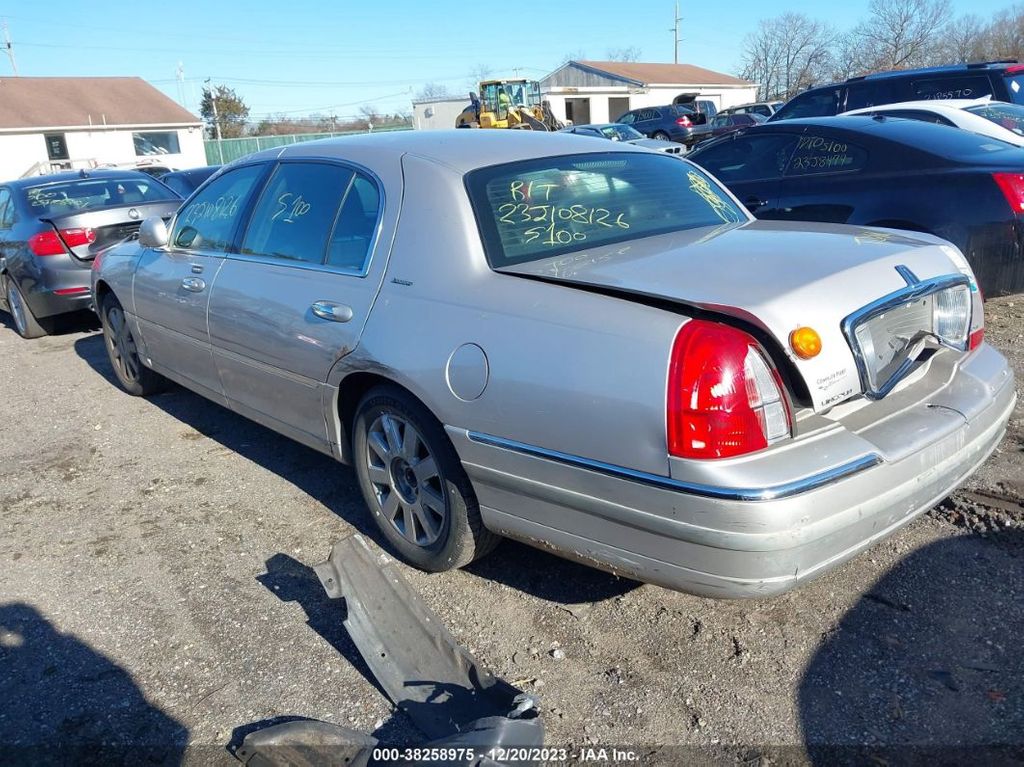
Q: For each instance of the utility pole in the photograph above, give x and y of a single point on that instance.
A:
(9, 48)
(216, 121)
(675, 34)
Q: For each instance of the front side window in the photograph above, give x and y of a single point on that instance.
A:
(295, 215)
(150, 143)
(64, 197)
(209, 221)
(535, 209)
(819, 103)
(816, 154)
(748, 158)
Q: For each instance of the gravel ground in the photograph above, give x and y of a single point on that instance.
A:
(155, 593)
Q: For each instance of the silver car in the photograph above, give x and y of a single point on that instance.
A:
(589, 347)
(625, 134)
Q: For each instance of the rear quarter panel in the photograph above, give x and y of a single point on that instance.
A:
(567, 370)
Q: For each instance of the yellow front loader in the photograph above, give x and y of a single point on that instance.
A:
(508, 104)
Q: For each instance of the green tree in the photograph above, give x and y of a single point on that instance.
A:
(232, 112)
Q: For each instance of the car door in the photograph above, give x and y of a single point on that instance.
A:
(751, 166)
(172, 284)
(825, 178)
(6, 223)
(648, 121)
(294, 298)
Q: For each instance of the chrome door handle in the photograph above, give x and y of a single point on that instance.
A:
(193, 284)
(328, 310)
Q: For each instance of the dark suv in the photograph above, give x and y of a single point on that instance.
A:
(1002, 80)
(672, 122)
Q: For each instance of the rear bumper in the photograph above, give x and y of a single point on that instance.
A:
(47, 303)
(695, 538)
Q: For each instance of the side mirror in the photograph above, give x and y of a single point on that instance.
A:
(153, 233)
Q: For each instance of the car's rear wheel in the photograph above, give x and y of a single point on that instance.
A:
(660, 135)
(25, 322)
(414, 483)
(134, 377)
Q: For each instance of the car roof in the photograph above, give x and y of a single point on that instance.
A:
(462, 150)
(984, 66)
(75, 175)
(939, 140)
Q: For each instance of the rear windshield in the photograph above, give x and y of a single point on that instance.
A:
(536, 209)
(1009, 116)
(1015, 87)
(64, 197)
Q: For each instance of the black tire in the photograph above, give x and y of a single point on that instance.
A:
(25, 322)
(405, 486)
(134, 377)
(660, 135)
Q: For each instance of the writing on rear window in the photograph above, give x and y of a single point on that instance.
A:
(542, 208)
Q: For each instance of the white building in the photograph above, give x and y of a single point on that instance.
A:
(600, 91)
(53, 123)
(439, 113)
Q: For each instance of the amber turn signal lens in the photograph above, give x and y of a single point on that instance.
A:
(806, 343)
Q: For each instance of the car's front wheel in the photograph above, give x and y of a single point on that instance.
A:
(25, 322)
(414, 483)
(134, 377)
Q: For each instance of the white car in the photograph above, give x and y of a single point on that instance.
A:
(995, 119)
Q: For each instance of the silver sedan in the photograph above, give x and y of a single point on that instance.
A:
(586, 346)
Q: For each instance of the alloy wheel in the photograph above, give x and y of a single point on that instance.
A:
(407, 483)
(17, 308)
(123, 352)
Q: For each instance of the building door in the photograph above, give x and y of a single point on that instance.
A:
(577, 111)
(617, 106)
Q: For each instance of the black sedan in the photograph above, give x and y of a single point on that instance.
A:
(51, 229)
(887, 172)
(184, 182)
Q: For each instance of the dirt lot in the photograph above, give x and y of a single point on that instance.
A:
(154, 590)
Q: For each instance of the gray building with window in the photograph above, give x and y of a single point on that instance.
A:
(62, 123)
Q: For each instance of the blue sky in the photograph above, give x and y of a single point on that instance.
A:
(303, 56)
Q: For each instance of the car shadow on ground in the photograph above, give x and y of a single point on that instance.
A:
(77, 322)
(321, 477)
(927, 662)
(65, 703)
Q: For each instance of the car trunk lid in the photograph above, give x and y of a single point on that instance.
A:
(776, 276)
(110, 226)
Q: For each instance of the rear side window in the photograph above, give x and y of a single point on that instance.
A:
(869, 93)
(965, 87)
(209, 220)
(1015, 87)
(627, 119)
(65, 197)
(356, 227)
(536, 209)
(917, 114)
(748, 158)
(817, 154)
(6, 209)
(296, 213)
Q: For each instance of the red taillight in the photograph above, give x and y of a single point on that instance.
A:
(75, 237)
(977, 338)
(724, 396)
(684, 121)
(50, 243)
(1014, 70)
(46, 244)
(1012, 186)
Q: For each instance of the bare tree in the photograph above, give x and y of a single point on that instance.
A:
(787, 54)
(962, 40)
(433, 91)
(901, 33)
(1005, 35)
(631, 53)
(847, 58)
(577, 55)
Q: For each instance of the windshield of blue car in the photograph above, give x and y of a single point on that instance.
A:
(620, 132)
(1009, 116)
(65, 197)
(535, 209)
